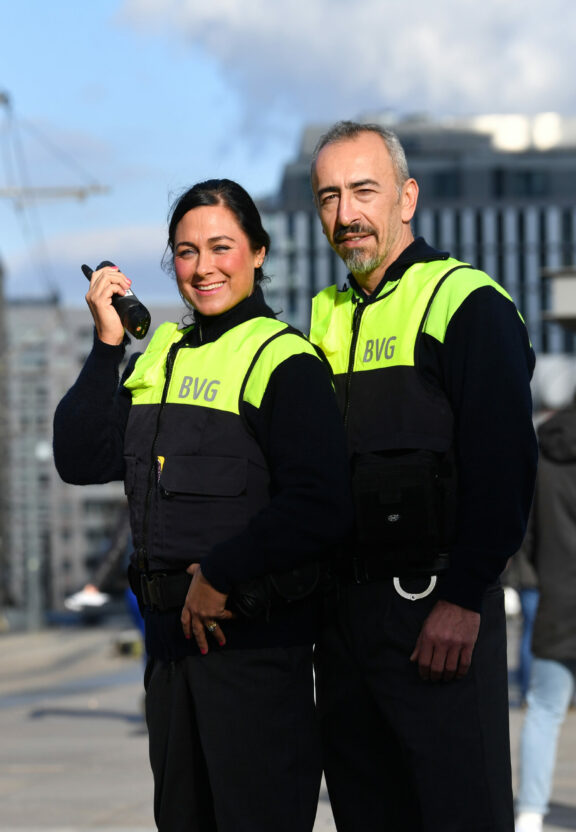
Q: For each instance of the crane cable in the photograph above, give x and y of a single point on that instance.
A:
(26, 210)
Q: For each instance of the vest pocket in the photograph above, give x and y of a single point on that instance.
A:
(203, 475)
(201, 502)
(405, 505)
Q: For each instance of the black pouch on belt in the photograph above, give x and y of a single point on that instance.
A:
(261, 595)
(405, 504)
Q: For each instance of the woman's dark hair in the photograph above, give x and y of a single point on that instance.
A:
(219, 192)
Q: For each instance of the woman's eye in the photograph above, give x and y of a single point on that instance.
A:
(221, 248)
(186, 252)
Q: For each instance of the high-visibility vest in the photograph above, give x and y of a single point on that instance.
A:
(195, 474)
(399, 423)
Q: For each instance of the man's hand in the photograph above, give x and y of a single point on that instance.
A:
(203, 608)
(445, 644)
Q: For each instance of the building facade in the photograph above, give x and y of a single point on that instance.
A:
(58, 533)
(4, 472)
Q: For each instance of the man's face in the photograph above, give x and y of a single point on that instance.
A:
(365, 214)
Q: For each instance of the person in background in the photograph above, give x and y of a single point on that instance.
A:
(550, 545)
(521, 584)
(228, 438)
(109, 576)
(432, 367)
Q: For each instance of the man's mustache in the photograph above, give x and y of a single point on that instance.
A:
(345, 230)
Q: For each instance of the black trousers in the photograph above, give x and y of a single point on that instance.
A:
(402, 754)
(234, 743)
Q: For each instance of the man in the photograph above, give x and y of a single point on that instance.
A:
(432, 366)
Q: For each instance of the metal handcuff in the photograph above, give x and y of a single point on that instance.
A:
(415, 596)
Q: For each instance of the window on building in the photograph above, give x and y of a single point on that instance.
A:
(101, 509)
(446, 184)
(515, 183)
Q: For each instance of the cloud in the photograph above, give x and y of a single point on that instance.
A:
(325, 59)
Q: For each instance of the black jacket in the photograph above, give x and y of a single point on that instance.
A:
(551, 539)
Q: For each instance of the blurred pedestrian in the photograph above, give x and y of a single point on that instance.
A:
(551, 546)
(521, 580)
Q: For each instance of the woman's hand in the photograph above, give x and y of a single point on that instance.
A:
(104, 284)
(203, 607)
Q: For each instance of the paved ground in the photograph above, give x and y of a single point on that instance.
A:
(73, 754)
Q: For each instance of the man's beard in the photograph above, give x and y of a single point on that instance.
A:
(359, 262)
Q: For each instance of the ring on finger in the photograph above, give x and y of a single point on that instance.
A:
(210, 626)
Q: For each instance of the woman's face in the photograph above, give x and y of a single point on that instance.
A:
(213, 259)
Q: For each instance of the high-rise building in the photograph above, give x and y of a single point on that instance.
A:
(58, 533)
(4, 471)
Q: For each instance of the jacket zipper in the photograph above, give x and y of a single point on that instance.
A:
(356, 318)
(358, 312)
(142, 552)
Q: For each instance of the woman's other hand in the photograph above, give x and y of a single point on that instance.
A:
(204, 608)
(104, 284)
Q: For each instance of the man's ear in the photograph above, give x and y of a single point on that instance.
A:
(409, 199)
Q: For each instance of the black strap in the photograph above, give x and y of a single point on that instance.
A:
(429, 304)
(160, 590)
(288, 330)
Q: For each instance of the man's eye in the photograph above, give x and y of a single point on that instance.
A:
(328, 198)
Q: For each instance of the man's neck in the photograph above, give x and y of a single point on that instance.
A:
(418, 251)
(369, 282)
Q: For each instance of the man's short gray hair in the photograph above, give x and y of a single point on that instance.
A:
(345, 130)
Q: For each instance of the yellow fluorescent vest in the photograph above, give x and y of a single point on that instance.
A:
(371, 345)
(390, 324)
(213, 374)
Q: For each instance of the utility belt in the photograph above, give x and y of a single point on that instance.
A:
(367, 570)
(163, 591)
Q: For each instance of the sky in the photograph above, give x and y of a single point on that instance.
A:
(146, 97)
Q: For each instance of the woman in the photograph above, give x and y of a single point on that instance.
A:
(228, 439)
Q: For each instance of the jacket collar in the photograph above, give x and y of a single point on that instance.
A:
(417, 252)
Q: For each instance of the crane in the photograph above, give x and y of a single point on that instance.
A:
(24, 197)
(25, 192)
